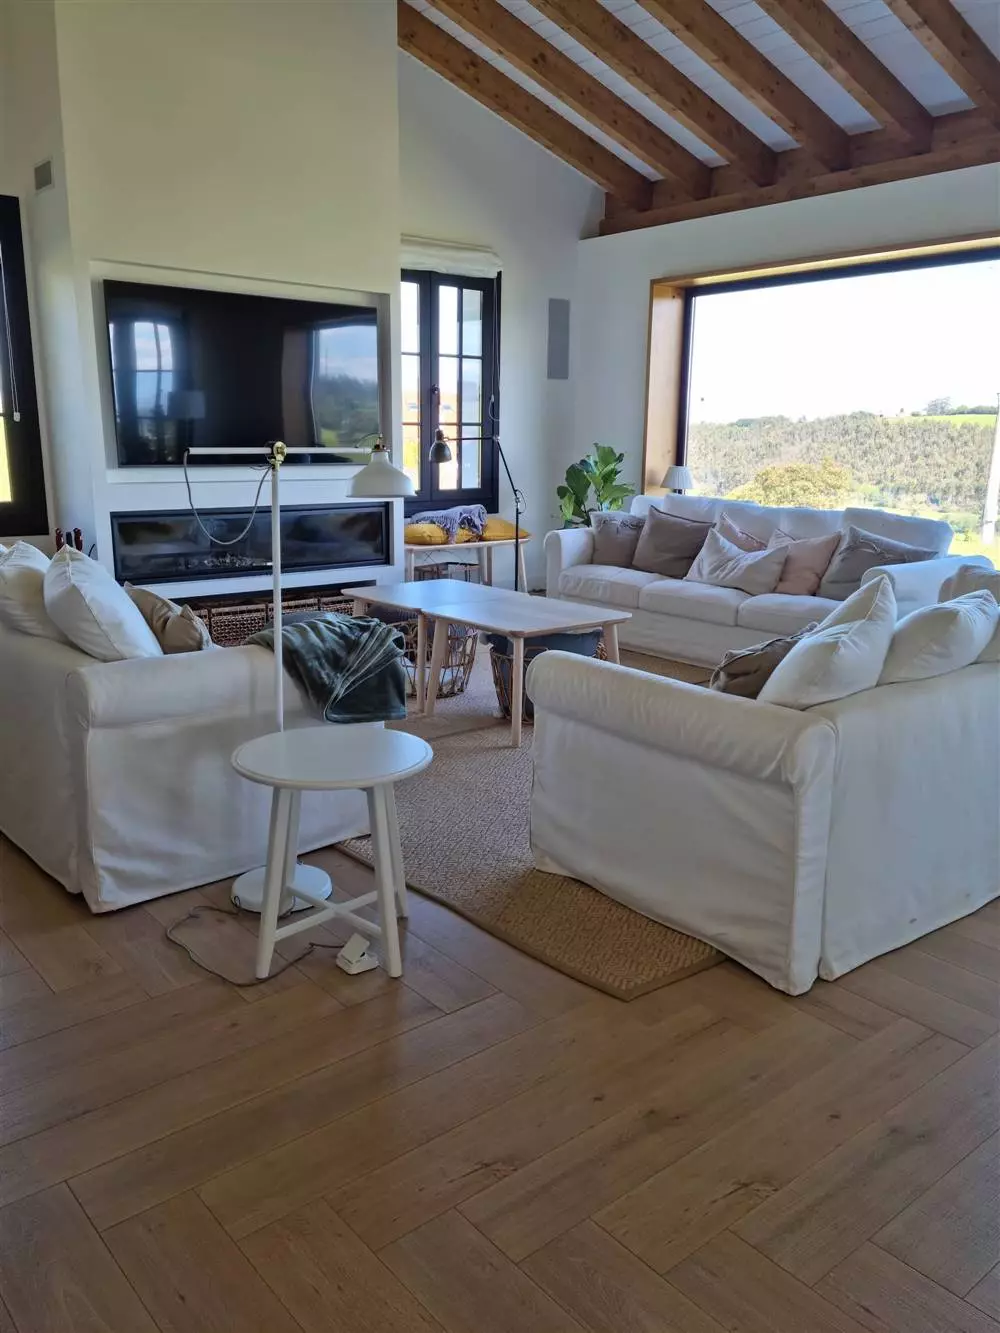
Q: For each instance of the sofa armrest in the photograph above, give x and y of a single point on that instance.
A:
(564, 548)
(920, 584)
(757, 740)
(218, 681)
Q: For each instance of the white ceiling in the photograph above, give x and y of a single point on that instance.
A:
(871, 20)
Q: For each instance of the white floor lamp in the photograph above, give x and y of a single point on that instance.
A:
(378, 479)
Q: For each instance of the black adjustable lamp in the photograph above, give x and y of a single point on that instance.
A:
(440, 452)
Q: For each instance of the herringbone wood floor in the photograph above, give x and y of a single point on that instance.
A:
(487, 1146)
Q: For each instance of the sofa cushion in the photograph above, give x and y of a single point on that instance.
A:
(931, 533)
(941, 638)
(976, 578)
(725, 565)
(606, 584)
(93, 611)
(615, 538)
(746, 671)
(694, 601)
(843, 656)
(727, 526)
(22, 604)
(858, 552)
(806, 561)
(780, 613)
(668, 544)
(177, 628)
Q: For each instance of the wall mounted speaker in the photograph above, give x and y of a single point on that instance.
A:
(558, 344)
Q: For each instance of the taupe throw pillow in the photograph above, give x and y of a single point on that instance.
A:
(615, 538)
(669, 544)
(176, 628)
(745, 671)
(860, 551)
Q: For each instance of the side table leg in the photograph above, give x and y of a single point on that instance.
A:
(287, 900)
(482, 559)
(516, 691)
(421, 672)
(398, 876)
(410, 566)
(382, 847)
(281, 801)
(611, 643)
(489, 565)
(439, 650)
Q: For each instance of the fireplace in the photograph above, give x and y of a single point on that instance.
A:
(169, 546)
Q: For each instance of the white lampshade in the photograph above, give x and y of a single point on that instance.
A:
(678, 478)
(379, 480)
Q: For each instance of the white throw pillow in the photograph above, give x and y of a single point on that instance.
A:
(937, 639)
(22, 605)
(843, 656)
(93, 611)
(976, 578)
(722, 564)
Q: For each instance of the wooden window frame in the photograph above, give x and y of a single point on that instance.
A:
(429, 493)
(26, 513)
(671, 327)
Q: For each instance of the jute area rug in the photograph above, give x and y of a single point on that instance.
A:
(464, 830)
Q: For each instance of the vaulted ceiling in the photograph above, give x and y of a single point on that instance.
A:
(683, 108)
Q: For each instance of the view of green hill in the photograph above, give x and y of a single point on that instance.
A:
(915, 464)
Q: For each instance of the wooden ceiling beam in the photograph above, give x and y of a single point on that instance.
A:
(964, 139)
(496, 27)
(718, 43)
(957, 48)
(442, 53)
(590, 24)
(832, 44)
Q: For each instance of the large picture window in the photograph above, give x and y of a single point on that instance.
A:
(875, 385)
(450, 345)
(22, 480)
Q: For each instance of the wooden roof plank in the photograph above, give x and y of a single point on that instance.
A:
(717, 42)
(833, 45)
(435, 48)
(496, 27)
(606, 37)
(957, 48)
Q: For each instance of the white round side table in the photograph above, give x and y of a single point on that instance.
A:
(364, 756)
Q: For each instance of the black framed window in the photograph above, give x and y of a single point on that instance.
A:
(873, 385)
(450, 354)
(22, 478)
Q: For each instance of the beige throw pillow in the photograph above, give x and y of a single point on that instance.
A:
(615, 538)
(806, 561)
(727, 528)
(725, 566)
(746, 671)
(668, 544)
(177, 628)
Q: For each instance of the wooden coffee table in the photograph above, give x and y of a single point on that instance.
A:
(517, 615)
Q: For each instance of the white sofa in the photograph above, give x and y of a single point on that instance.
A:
(799, 843)
(695, 622)
(116, 777)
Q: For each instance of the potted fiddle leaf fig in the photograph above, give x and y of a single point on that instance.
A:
(593, 484)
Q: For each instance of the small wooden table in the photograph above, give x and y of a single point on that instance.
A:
(497, 611)
(483, 551)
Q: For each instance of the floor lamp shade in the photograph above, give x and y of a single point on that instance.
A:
(379, 479)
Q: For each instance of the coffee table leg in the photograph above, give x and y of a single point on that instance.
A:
(438, 652)
(281, 808)
(421, 672)
(359, 607)
(398, 877)
(516, 691)
(611, 643)
(382, 846)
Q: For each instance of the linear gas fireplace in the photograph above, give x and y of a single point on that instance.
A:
(169, 546)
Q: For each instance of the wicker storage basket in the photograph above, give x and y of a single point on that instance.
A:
(591, 644)
(232, 625)
(458, 662)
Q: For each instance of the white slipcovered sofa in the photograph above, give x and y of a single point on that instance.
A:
(802, 844)
(696, 622)
(115, 776)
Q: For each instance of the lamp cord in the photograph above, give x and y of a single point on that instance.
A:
(217, 541)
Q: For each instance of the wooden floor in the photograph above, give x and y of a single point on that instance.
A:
(487, 1146)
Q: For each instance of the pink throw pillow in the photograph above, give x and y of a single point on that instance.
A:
(725, 527)
(806, 562)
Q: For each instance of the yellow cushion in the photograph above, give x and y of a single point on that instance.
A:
(424, 534)
(497, 529)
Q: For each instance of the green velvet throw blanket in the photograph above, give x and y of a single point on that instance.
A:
(350, 667)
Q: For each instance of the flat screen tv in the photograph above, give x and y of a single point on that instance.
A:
(212, 369)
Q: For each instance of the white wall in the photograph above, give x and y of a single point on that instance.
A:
(465, 175)
(244, 145)
(612, 309)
